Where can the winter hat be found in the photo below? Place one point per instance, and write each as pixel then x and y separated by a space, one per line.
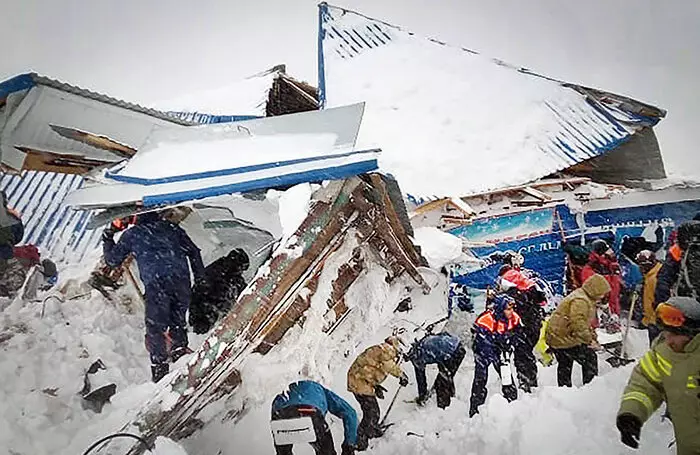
pixel 645 258
pixel 688 307
pixel 240 258
pixel 513 259
pixel 500 302
pixel 599 246
pixel 394 341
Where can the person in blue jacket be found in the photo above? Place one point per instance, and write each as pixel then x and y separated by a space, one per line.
pixel 311 399
pixel 447 352
pixel 494 333
pixel 162 250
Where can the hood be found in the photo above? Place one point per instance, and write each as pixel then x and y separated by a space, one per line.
pixel 596 287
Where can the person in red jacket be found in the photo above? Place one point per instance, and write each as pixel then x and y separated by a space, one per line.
pixel 602 261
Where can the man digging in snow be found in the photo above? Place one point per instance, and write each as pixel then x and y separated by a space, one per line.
pixel 494 331
pixel 162 250
pixel 447 352
pixel 670 372
pixel 299 416
pixel 365 376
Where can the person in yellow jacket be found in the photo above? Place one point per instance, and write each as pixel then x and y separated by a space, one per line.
pixel 570 333
pixel 649 266
pixel 365 376
pixel 670 372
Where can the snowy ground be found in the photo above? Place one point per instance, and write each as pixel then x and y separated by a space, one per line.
pixel 43 360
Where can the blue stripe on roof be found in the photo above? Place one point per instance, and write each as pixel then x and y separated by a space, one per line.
pixel 332 173
pixel 16 84
pixel 223 172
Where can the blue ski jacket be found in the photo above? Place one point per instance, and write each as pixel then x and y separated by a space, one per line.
pixel 310 393
pixel 161 249
pixel 437 348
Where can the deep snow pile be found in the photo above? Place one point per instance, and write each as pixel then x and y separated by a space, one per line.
pixel 552 420
pixel 43 360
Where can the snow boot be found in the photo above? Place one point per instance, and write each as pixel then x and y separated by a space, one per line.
pixel 158 371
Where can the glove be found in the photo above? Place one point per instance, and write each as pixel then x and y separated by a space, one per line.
pixel 108 234
pixel 630 427
pixel 379 391
pixel 347 449
pixel 403 380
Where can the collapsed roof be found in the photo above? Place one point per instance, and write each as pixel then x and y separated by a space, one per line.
pixel 194 163
pixel 48 125
pixel 478 123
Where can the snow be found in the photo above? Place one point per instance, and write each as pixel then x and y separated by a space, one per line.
pixel 438 247
pixel 293 208
pixel 43 361
pixel 165 446
pixel 222 154
pixel 246 97
pixel 453 123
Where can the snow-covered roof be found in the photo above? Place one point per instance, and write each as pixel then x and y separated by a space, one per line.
pixel 451 122
pixel 210 160
pixel 244 98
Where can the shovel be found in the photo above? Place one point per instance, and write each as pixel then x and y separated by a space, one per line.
pixel 620 360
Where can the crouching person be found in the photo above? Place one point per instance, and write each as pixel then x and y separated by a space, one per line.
pixel 493 333
pixel 670 372
pixel 447 352
pixel 570 334
pixel 213 297
pixel 299 416
pixel 365 376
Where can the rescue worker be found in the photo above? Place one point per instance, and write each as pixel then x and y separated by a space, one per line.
pixel 12 273
pixel 365 376
pixel 493 334
pixel 670 372
pixel 447 352
pixel 310 399
pixel 672 278
pixel 602 261
pixel 649 266
pixel 162 250
pixel 213 297
pixel 528 305
pixel 570 334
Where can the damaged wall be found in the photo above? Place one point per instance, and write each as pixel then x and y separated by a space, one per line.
pixel 637 159
pixel 357 210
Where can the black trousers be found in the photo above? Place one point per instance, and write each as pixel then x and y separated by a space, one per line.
pixel 581 354
pixel 369 425
pixel 525 362
pixel 444 383
pixel 481 378
pixel 324 437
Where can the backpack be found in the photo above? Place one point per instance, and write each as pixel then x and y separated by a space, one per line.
pixel 689 240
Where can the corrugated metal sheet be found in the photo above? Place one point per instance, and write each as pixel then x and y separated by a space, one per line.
pixel 59 231
pixel 458 100
pixel 29 80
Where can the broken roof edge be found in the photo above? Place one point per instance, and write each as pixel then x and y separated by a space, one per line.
pixel 28 80
pixel 639 110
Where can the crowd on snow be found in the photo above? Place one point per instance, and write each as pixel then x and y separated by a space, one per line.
pixel 510 328
pixel 506 333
